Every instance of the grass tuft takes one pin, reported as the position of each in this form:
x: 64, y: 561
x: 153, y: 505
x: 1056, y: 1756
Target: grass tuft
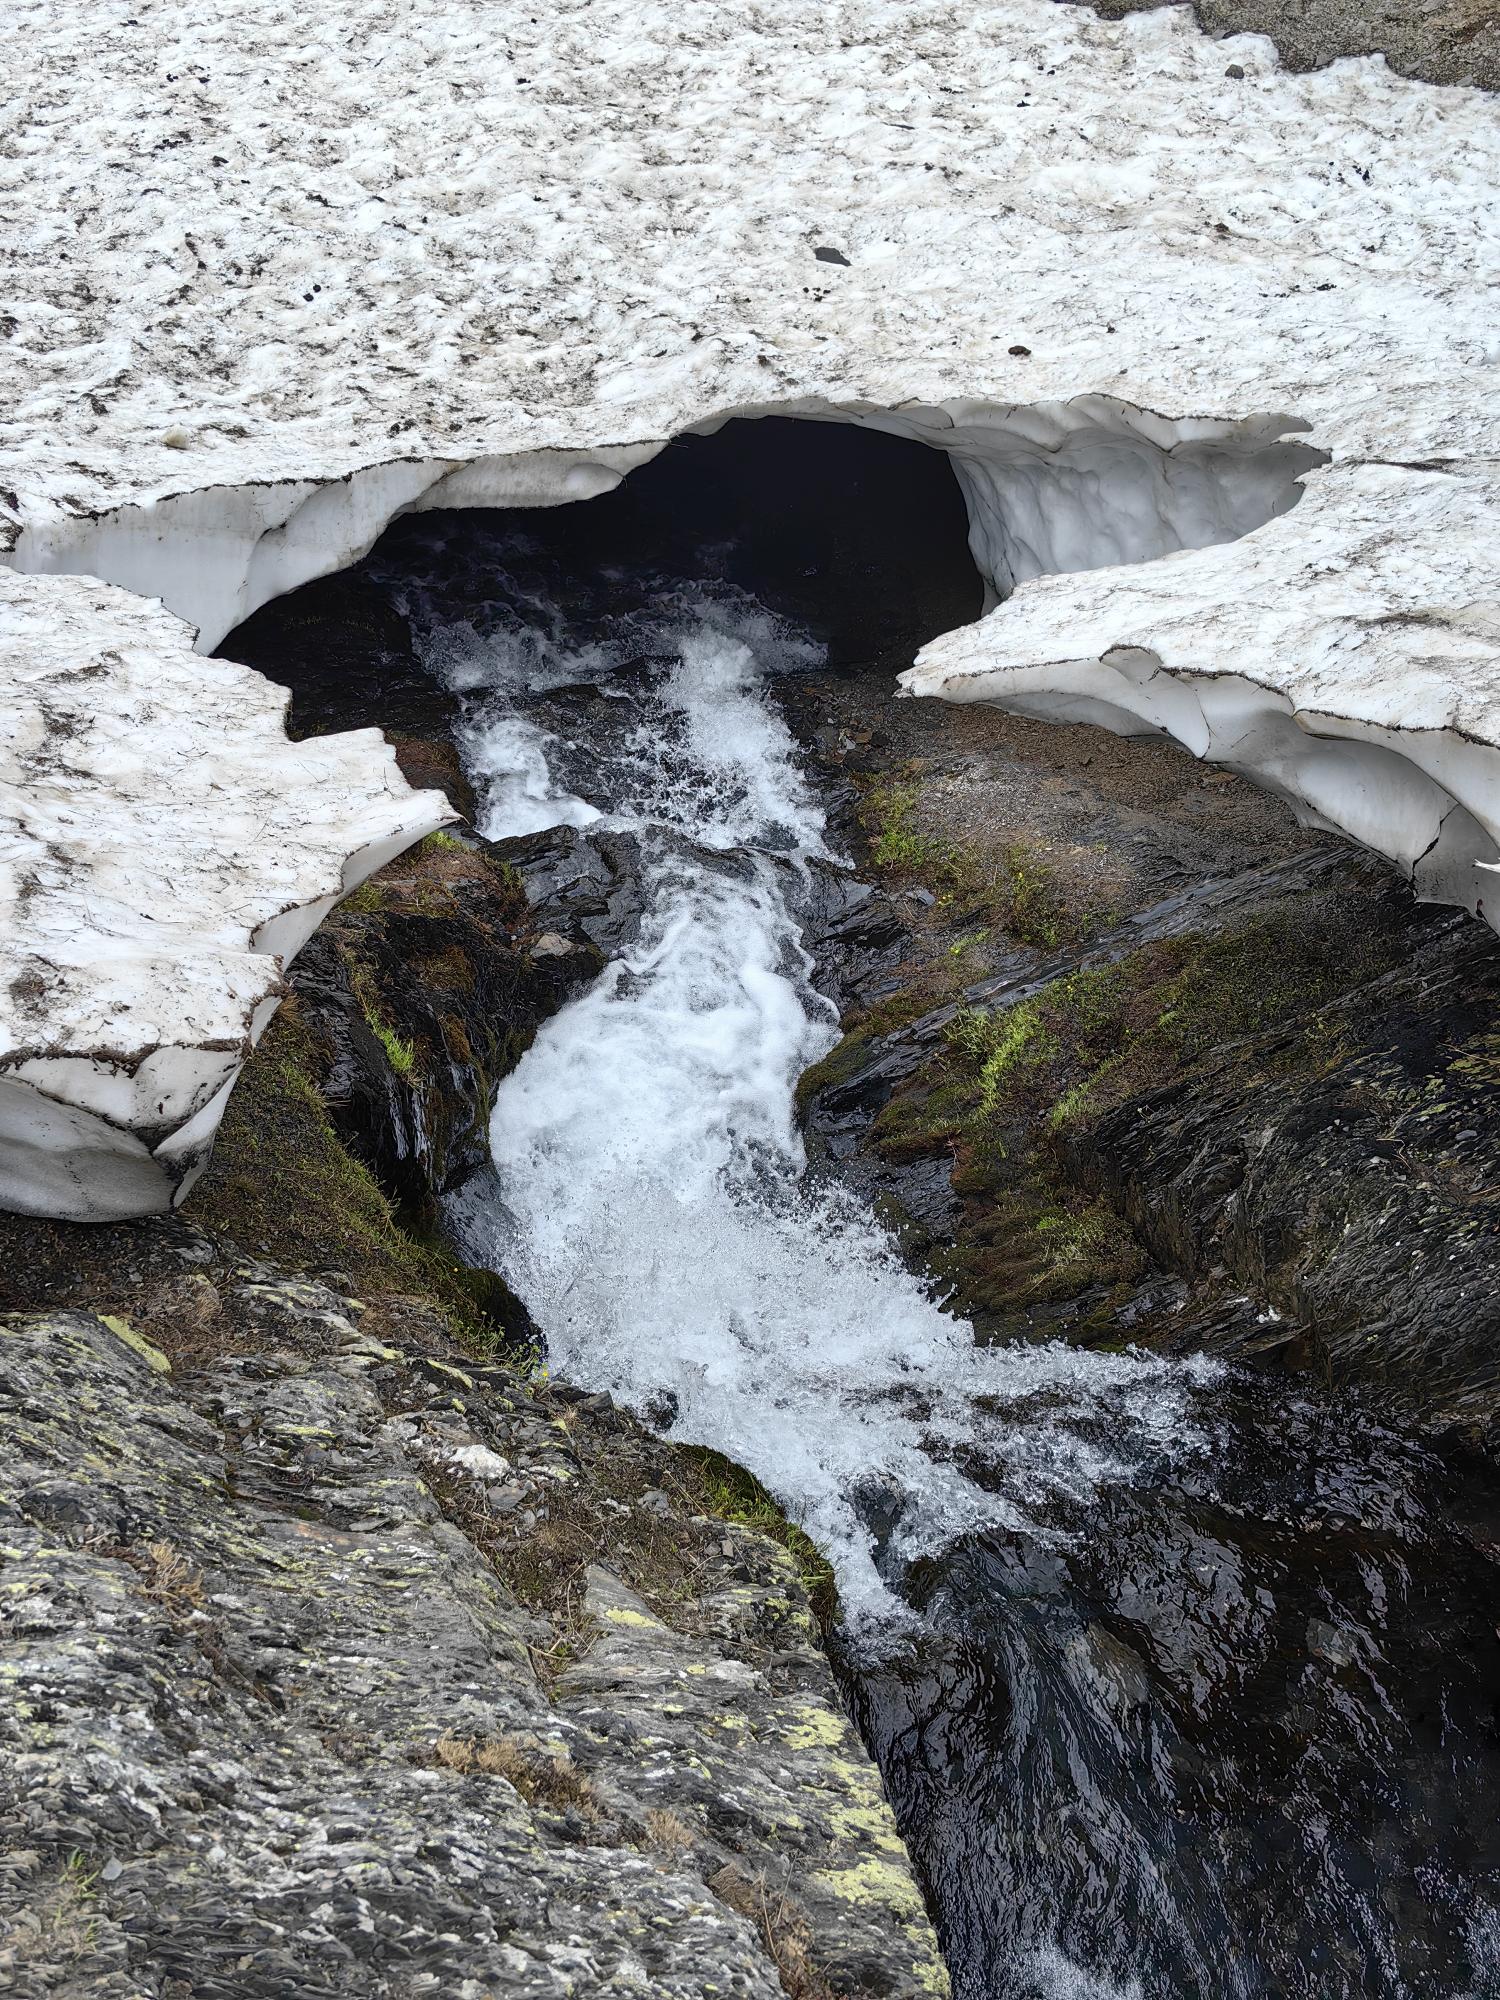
x: 1017, y: 891
x: 399, y: 1053
x: 733, y: 1494
x: 542, y: 1778
x: 668, y: 1832
x: 168, y: 1577
x: 784, y: 1930
x: 281, y: 1183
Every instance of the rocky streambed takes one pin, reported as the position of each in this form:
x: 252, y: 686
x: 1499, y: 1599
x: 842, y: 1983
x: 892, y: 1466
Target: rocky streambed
x: 1125, y: 1340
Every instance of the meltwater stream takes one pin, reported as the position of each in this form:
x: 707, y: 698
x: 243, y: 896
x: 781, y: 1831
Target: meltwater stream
x: 659, y: 1222
x: 1183, y: 1688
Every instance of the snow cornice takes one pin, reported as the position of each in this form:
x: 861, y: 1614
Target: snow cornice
x: 272, y: 285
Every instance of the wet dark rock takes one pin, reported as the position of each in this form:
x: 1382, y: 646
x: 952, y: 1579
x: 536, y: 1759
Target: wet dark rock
x: 346, y: 653
x: 584, y: 886
x: 1243, y: 1690
x: 422, y: 994
x: 1232, y: 1729
x: 860, y: 942
x: 1342, y: 1197
x: 1356, y: 1200
x: 426, y: 988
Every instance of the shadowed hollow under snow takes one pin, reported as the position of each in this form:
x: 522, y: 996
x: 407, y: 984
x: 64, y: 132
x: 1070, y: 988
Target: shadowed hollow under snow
x: 278, y: 279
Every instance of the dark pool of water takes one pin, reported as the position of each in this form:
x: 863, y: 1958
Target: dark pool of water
x: 1238, y: 1738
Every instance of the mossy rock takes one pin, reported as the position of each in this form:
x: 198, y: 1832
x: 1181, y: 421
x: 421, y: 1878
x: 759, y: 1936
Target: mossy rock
x: 281, y: 1183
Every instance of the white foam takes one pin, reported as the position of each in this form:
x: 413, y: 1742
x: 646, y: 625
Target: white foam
x: 660, y: 1222
x: 1058, y: 1978
x: 519, y: 795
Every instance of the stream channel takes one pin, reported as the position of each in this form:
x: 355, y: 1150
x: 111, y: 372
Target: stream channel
x: 1182, y: 1679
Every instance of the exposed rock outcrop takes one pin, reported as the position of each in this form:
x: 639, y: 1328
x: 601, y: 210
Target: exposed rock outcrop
x: 340, y: 1664
x: 1166, y: 1073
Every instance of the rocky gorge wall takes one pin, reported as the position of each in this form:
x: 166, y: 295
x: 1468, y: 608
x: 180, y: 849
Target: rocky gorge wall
x: 344, y: 1648
x: 1128, y: 1056
x: 455, y: 1674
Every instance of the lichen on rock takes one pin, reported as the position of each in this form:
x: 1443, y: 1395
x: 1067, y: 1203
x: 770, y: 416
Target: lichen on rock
x: 273, y: 1716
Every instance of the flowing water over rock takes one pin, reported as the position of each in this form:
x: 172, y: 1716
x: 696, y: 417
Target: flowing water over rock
x: 656, y: 1216
x: 1182, y: 1685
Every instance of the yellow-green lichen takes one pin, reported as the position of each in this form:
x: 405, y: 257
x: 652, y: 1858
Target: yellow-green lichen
x: 886, y: 1884
x: 817, y: 1728
x: 123, y: 1331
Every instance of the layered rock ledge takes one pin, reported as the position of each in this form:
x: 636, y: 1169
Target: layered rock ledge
x: 1144, y: 288
x: 313, y: 1684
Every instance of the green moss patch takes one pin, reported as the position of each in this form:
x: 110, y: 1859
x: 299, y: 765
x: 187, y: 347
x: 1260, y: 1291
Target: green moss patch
x: 733, y: 1494
x: 1010, y: 1085
x: 595, y: 1515
x: 1014, y: 889
x: 280, y: 1182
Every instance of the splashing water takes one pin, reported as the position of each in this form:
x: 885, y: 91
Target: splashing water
x: 1484, y: 1953
x: 1058, y: 1978
x: 659, y: 1219
x: 1127, y: 1759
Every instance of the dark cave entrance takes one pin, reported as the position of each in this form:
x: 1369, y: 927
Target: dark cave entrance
x: 852, y: 536
x: 857, y: 536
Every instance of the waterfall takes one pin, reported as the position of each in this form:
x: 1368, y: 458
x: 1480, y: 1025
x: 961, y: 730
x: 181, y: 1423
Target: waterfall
x: 659, y: 1217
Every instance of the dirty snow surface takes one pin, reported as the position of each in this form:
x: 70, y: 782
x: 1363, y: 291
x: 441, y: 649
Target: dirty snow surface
x: 276, y: 275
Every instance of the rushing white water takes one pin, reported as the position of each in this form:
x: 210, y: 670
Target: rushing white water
x: 659, y: 1219
x: 1058, y: 1978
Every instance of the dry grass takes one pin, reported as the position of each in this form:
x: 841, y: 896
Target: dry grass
x: 170, y: 1578
x: 784, y: 1931
x: 424, y: 878
x: 542, y: 1779
x: 166, y: 1576
x: 60, y: 1923
x: 1014, y: 887
x: 544, y: 1566
x: 668, y: 1833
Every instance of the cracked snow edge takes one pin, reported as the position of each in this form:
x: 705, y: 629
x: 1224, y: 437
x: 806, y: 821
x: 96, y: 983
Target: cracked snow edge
x: 1230, y: 289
